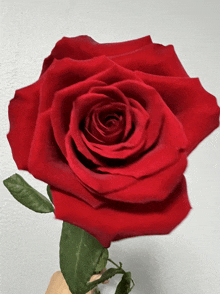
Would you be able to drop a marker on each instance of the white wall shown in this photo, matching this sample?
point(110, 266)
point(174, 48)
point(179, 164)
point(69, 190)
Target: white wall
point(186, 261)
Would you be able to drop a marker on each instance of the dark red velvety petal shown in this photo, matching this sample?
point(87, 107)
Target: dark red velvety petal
point(123, 187)
point(153, 187)
point(23, 111)
point(152, 102)
point(115, 74)
point(105, 123)
point(132, 146)
point(154, 59)
point(47, 163)
point(118, 220)
point(66, 72)
point(80, 110)
point(62, 107)
point(171, 140)
point(195, 108)
point(164, 131)
point(117, 96)
point(97, 183)
point(84, 47)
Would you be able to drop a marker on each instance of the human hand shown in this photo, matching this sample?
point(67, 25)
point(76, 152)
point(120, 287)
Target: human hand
point(58, 284)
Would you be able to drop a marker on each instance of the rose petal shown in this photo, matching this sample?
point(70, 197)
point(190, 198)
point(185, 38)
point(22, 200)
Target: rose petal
point(105, 124)
point(115, 221)
point(23, 112)
point(171, 141)
point(117, 95)
point(195, 108)
point(114, 74)
point(66, 72)
point(84, 47)
point(79, 110)
point(154, 59)
point(153, 187)
point(47, 163)
point(84, 103)
point(151, 101)
point(62, 107)
point(96, 183)
point(132, 146)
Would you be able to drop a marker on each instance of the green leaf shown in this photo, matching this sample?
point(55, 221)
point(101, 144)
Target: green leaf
point(124, 285)
point(102, 261)
point(97, 291)
point(111, 272)
point(27, 195)
point(49, 193)
point(79, 254)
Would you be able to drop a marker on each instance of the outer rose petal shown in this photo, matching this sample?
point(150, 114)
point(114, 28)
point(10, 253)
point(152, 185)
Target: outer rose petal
point(97, 183)
point(115, 221)
point(139, 54)
point(196, 109)
point(23, 112)
point(84, 47)
point(155, 187)
point(156, 108)
point(154, 59)
point(67, 72)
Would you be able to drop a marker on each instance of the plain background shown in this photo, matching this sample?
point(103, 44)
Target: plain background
point(188, 260)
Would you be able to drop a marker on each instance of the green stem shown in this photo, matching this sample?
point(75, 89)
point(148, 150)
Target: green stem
point(122, 270)
point(115, 264)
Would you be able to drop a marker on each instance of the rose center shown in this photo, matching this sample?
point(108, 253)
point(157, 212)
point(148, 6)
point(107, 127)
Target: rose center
point(111, 120)
point(105, 123)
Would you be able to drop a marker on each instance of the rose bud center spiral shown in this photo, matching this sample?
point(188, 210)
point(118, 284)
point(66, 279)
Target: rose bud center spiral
point(105, 123)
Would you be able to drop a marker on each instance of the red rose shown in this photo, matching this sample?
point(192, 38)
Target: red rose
point(109, 128)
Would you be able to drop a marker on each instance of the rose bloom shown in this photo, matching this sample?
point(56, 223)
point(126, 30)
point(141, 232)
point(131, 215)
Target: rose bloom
point(109, 128)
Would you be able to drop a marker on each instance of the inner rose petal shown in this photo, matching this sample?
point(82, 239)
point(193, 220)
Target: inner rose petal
point(62, 107)
point(170, 141)
point(97, 183)
point(79, 117)
point(151, 101)
point(114, 74)
point(134, 143)
point(118, 96)
point(80, 109)
point(106, 123)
